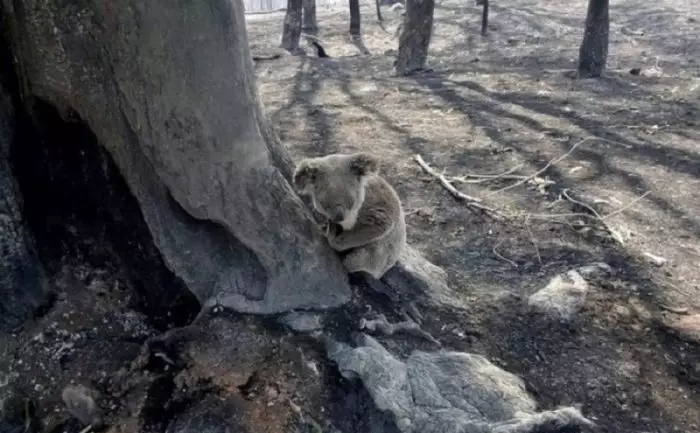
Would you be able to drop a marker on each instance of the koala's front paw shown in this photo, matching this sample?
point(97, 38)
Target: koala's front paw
point(333, 234)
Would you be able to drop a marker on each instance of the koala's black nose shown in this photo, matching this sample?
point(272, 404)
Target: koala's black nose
point(338, 215)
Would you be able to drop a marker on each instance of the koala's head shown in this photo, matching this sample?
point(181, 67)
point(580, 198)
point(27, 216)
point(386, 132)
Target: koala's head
point(336, 183)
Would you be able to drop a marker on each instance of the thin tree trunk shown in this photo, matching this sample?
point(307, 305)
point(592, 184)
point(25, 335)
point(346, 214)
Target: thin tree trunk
point(379, 11)
point(291, 31)
point(310, 25)
point(355, 17)
point(485, 18)
point(415, 36)
point(593, 54)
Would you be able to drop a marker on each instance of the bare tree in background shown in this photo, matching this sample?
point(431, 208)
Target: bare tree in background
point(593, 53)
point(310, 25)
point(484, 16)
point(355, 17)
point(415, 36)
point(291, 31)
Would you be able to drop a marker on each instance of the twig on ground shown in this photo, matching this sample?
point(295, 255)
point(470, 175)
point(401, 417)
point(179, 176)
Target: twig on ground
point(617, 236)
point(626, 207)
point(475, 202)
point(497, 254)
point(470, 201)
point(480, 178)
point(603, 219)
point(543, 169)
point(534, 241)
point(381, 324)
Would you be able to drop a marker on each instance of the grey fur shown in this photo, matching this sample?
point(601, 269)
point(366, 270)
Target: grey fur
point(365, 219)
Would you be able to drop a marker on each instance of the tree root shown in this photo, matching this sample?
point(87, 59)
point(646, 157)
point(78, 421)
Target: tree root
point(382, 325)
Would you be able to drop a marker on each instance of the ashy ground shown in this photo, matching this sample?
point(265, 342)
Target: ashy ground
point(506, 103)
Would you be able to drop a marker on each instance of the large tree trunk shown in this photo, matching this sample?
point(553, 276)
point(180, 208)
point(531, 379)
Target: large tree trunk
point(355, 17)
point(291, 31)
point(169, 92)
point(593, 53)
point(415, 36)
point(22, 285)
point(310, 24)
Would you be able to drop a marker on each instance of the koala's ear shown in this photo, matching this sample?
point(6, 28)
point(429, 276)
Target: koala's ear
point(364, 164)
point(304, 174)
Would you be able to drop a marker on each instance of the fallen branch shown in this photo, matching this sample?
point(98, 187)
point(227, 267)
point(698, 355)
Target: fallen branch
point(617, 236)
point(497, 254)
point(470, 201)
point(543, 169)
point(475, 202)
point(603, 219)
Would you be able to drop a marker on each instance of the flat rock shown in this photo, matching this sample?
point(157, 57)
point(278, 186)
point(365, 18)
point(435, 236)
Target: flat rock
point(562, 298)
point(415, 278)
point(302, 321)
point(447, 391)
point(80, 402)
point(687, 327)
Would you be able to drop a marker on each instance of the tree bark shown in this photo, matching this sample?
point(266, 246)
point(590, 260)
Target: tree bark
point(310, 25)
point(291, 31)
point(23, 285)
point(355, 17)
point(168, 89)
point(415, 36)
point(593, 53)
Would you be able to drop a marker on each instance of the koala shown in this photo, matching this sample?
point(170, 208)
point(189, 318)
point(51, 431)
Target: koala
point(365, 220)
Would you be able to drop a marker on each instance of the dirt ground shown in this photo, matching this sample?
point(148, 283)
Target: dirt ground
point(507, 101)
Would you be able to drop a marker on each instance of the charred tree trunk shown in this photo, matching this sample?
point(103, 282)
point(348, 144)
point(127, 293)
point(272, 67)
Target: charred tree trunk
point(23, 288)
point(355, 18)
point(593, 53)
point(415, 36)
point(485, 18)
point(291, 31)
point(379, 10)
point(180, 116)
point(310, 25)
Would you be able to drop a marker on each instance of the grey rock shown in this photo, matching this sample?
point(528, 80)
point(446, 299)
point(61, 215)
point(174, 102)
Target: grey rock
point(302, 321)
point(447, 391)
point(22, 283)
point(154, 82)
point(416, 278)
point(80, 402)
point(595, 270)
point(562, 298)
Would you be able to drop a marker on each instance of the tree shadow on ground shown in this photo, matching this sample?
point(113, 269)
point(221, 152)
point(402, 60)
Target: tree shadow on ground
point(482, 111)
point(307, 84)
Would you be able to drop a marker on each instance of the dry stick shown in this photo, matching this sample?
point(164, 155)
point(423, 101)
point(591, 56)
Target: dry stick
point(533, 240)
point(504, 175)
point(543, 169)
point(603, 218)
point(626, 207)
point(470, 201)
point(443, 180)
point(497, 254)
point(597, 216)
